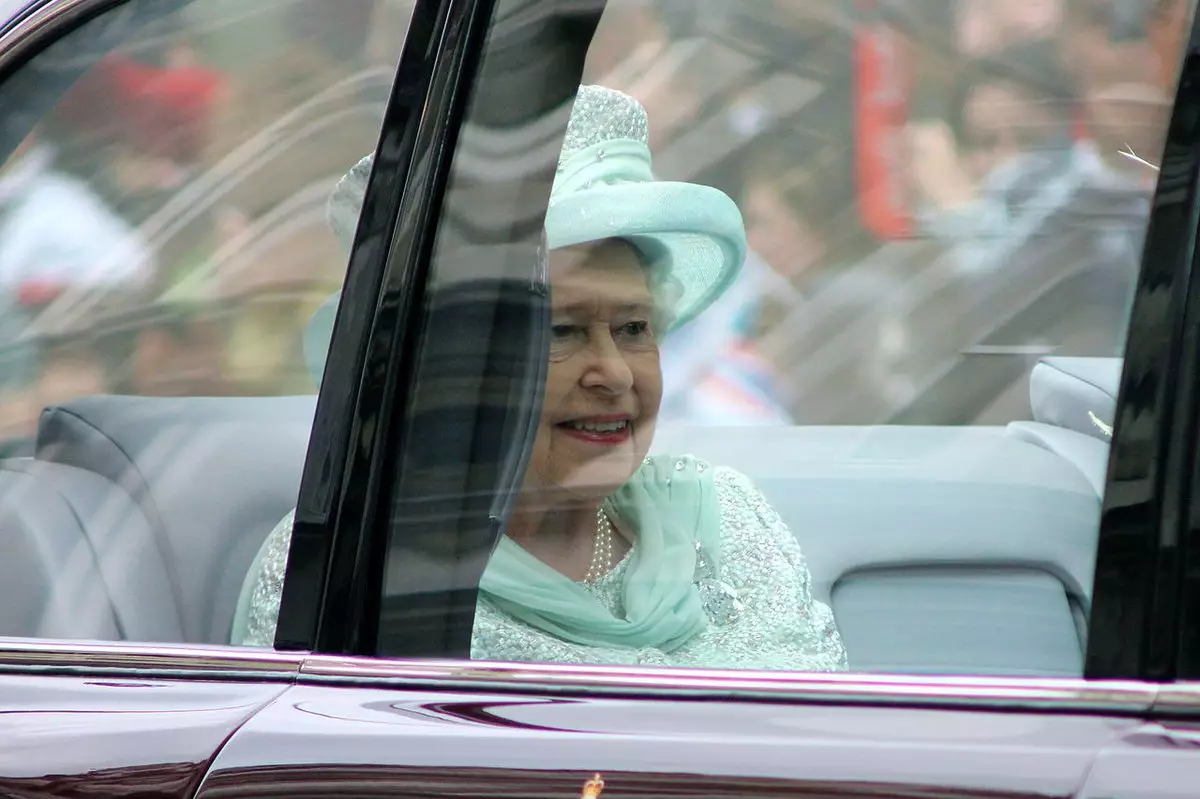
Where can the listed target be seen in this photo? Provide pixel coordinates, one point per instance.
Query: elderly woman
(611, 555)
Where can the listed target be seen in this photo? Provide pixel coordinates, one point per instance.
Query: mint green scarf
(670, 504)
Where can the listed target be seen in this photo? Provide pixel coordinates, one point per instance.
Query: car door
(956, 687)
(165, 171)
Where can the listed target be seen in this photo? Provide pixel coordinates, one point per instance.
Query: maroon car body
(333, 727)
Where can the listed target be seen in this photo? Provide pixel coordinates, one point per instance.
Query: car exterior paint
(220, 722)
(116, 736)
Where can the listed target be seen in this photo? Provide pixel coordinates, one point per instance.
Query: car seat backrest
(1077, 394)
(211, 476)
(61, 578)
(953, 550)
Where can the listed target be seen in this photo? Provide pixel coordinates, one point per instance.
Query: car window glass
(838, 301)
(164, 246)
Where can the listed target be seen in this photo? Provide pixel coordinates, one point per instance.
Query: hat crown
(603, 115)
(606, 143)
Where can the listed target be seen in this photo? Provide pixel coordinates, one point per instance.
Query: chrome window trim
(35, 19)
(166, 661)
(1066, 695)
(1181, 699)
(179, 661)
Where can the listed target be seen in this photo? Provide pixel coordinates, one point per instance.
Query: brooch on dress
(593, 787)
(718, 598)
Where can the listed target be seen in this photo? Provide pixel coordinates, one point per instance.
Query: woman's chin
(600, 476)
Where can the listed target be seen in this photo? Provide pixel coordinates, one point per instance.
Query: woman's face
(1126, 83)
(1002, 122)
(777, 235)
(604, 383)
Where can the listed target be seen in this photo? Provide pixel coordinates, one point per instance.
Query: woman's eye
(635, 329)
(563, 331)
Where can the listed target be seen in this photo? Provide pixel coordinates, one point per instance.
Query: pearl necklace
(602, 549)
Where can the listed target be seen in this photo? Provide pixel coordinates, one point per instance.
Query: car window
(167, 244)
(838, 296)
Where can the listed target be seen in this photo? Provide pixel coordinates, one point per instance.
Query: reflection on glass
(901, 169)
(174, 193)
(162, 247)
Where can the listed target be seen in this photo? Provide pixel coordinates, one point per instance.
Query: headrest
(111, 435)
(211, 475)
(1078, 394)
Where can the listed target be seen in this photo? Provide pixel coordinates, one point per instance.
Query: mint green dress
(714, 579)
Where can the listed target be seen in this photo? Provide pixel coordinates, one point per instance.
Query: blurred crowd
(155, 236)
(842, 128)
(958, 122)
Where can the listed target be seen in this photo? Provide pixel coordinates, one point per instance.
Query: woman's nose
(608, 368)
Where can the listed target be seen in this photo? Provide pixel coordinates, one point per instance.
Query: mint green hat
(603, 188)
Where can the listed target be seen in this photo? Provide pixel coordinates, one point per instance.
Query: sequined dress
(779, 625)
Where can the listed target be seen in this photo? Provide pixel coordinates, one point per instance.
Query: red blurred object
(883, 90)
(171, 107)
(162, 111)
(39, 292)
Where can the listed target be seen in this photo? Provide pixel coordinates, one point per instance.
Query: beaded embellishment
(719, 599)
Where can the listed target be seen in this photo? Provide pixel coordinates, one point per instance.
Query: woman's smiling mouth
(608, 430)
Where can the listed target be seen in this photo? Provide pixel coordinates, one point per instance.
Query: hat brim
(696, 231)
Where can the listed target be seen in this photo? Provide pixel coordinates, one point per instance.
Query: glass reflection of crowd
(1013, 106)
(81, 211)
(1013, 109)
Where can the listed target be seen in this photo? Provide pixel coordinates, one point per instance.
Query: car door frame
(1185, 654)
(334, 578)
(335, 561)
(1138, 620)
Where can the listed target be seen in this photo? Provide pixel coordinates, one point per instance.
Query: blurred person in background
(56, 233)
(19, 401)
(712, 372)
(156, 108)
(1123, 54)
(1007, 151)
(798, 201)
(172, 106)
